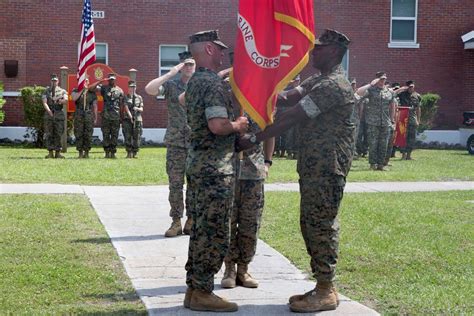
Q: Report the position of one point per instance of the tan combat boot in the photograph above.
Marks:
(244, 278)
(86, 154)
(49, 155)
(187, 226)
(187, 297)
(323, 298)
(81, 154)
(58, 154)
(129, 154)
(299, 297)
(175, 228)
(228, 281)
(205, 301)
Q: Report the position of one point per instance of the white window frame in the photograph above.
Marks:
(404, 44)
(98, 43)
(106, 51)
(347, 59)
(185, 48)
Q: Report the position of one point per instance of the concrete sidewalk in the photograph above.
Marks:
(156, 264)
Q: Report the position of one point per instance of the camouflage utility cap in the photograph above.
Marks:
(332, 37)
(54, 77)
(132, 83)
(112, 76)
(381, 75)
(185, 55)
(207, 36)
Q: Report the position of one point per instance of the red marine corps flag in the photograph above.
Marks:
(87, 44)
(401, 128)
(273, 44)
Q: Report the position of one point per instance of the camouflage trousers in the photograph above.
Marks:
(361, 139)
(83, 130)
(245, 220)
(132, 134)
(411, 138)
(209, 238)
(378, 142)
(390, 144)
(110, 131)
(53, 130)
(319, 225)
(176, 170)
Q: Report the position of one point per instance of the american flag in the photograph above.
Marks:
(87, 45)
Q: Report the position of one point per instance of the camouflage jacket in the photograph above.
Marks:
(326, 139)
(113, 98)
(412, 101)
(52, 98)
(377, 109)
(90, 98)
(129, 102)
(177, 131)
(252, 166)
(206, 98)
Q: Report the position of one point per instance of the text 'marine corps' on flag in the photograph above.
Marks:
(87, 44)
(273, 44)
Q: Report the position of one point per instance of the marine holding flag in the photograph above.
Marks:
(324, 105)
(273, 43)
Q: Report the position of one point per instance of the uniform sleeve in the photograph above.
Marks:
(215, 101)
(322, 98)
(308, 83)
(45, 94)
(141, 102)
(163, 89)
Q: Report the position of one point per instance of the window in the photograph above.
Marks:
(404, 24)
(101, 53)
(345, 63)
(169, 57)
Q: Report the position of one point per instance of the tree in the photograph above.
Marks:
(429, 109)
(34, 113)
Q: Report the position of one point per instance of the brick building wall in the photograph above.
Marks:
(134, 30)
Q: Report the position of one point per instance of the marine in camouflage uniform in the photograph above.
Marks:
(85, 116)
(113, 102)
(412, 100)
(324, 110)
(176, 139)
(391, 138)
(379, 119)
(177, 143)
(54, 98)
(132, 124)
(210, 167)
(246, 214)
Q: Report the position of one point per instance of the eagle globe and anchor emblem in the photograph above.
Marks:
(98, 73)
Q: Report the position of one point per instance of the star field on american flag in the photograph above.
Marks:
(87, 54)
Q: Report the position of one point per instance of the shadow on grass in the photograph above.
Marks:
(113, 313)
(106, 240)
(115, 297)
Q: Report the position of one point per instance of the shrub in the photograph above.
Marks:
(2, 102)
(429, 109)
(34, 112)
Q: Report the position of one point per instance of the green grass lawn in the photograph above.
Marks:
(400, 253)
(26, 165)
(50, 265)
